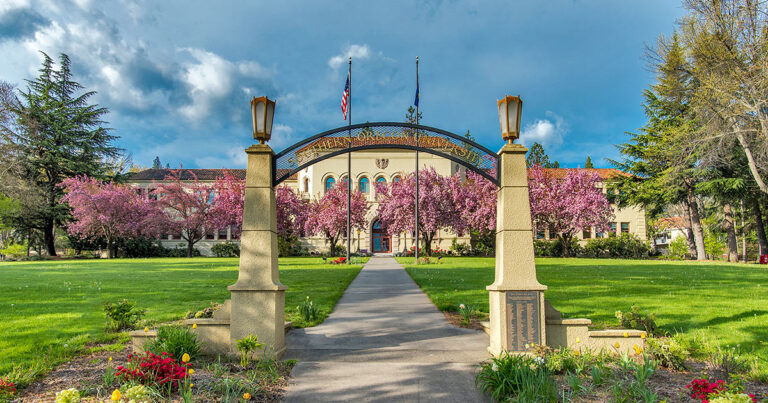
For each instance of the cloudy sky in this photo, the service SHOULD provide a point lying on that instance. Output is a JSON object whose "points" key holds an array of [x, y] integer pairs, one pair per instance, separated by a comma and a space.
{"points": [[177, 76]]}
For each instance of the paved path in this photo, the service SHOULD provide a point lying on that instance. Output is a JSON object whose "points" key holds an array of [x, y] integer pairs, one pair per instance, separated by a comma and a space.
{"points": [[385, 341]]}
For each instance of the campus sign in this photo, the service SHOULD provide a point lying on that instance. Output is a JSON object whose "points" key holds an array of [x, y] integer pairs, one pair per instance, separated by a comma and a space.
{"points": [[386, 135]]}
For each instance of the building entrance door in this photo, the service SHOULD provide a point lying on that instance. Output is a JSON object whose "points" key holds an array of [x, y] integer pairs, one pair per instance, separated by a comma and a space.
{"points": [[381, 240]]}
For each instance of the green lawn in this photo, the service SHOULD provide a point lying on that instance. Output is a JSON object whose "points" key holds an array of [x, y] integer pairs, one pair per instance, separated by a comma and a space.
{"points": [[52, 308], [726, 303]]}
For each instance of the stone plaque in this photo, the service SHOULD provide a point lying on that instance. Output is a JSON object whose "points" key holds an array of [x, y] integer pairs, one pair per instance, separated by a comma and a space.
{"points": [[523, 316]]}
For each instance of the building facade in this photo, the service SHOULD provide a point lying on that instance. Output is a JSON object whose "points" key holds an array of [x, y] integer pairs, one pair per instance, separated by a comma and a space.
{"points": [[368, 168]]}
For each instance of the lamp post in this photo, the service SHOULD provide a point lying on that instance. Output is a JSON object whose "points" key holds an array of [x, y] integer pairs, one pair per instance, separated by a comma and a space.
{"points": [[262, 114], [510, 109], [358, 240]]}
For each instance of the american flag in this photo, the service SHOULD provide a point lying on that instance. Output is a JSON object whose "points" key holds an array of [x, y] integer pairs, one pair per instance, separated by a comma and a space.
{"points": [[344, 99]]}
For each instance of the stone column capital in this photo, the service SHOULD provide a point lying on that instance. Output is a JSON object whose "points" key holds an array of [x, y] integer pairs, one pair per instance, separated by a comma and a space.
{"points": [[259, 149], [513, 149]]}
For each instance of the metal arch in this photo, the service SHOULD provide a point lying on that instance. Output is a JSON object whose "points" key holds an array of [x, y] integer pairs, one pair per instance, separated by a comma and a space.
{"points": [[279, 178]]}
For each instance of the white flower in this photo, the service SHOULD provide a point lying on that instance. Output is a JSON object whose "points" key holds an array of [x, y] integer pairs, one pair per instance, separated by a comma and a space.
{"points": [[539, 360], [461, 306], [495, 367]]}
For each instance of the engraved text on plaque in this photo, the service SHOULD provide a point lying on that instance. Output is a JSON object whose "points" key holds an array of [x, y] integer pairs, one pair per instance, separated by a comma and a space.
{"points": [[523, 320]]}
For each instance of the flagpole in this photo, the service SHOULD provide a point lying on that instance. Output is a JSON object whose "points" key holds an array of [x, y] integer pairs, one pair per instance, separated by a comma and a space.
{"points": [[349, 163], [417, 162]]}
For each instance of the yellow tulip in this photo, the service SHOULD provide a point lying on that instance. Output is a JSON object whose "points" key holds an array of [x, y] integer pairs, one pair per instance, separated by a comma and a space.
{"points": [[642, 336], [185, 358], [578, 340], [246, 396], [116, 395], [575, 352], [194, 326], [110, 359], [191, 385], [626, 334], [617, 345], [191, 371], [146, 329]]}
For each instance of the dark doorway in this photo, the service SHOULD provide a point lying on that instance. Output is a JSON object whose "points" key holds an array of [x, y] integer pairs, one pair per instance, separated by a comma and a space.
{"points": [[381, 240]]}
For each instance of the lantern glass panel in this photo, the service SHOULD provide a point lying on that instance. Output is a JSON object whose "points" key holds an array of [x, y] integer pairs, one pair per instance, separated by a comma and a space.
{"points": [[270, 116], [260, 117], [512, 115], [503, 115]]}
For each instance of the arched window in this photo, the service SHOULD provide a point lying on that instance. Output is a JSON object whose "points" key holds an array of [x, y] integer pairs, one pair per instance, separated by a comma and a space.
{"points": [[381, 180], [329, 183], [396, 179], [364, 185], [306, 185]]}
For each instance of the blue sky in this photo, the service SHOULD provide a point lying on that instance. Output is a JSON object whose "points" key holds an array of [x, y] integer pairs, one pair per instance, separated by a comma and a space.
{"points": [[177, 76]]}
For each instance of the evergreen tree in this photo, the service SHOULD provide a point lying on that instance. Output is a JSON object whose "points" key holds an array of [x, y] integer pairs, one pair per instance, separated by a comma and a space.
{"points": [[588, 164], [537, 157], [156, 164], [556, 165], [56, 135]]}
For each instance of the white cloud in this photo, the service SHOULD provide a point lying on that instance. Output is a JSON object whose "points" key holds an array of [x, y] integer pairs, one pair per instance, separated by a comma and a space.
{"points": [[547, 132], [8, 5], [353, 51], [211, 78]]}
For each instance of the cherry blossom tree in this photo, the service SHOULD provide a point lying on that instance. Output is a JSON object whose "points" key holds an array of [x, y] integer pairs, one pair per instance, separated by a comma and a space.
{"points": [[292, 212], [229, 200], [567, 205], [189, 208], [437, 207], [328, 214], [475, 200], [109, 210]]}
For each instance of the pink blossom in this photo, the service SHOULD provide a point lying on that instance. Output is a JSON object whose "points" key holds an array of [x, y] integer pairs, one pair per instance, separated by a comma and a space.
{"points": [[328, 214]]}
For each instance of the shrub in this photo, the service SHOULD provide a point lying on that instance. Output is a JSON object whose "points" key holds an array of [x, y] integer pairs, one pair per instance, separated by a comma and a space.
{"points": [[728, 361], [182, 252], [7, 389], [289, 246], [142, 247], [152, 370], [176, 341], [634, 319], [123, 315], [15, 251], [308, 310], [517, 376], [70, 395], [668, 352], [678, 248], [554, 248], [625, 246], [226, 249], [247, 346], [466, 312]]}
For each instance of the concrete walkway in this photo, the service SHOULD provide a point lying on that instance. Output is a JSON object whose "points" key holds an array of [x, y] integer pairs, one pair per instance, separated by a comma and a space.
{"points": [[385, 341]]}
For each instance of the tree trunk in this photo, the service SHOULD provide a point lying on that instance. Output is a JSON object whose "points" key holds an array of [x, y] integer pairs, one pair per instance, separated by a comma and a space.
{"points": [[332, 240], [49, 238], [698, 231], [428, 236], [751, 163], [112, 250], [565, 242], [761, 239], [190, 248], [730, 230], [689, 233], [743, 235]]}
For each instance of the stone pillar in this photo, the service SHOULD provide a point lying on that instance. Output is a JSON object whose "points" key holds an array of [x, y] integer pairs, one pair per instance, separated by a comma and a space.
{"points": [[517, 317], [258, 298]]}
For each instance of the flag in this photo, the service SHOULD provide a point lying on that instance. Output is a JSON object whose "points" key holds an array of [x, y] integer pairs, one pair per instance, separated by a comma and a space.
{"points": [[344, 99], [416, 101]]}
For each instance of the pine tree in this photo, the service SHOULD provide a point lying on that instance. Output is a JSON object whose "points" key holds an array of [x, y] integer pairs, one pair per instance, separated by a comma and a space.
{"points": [[58, 135], [556, 165], [156, 164], [537, 157], [588, 164]]}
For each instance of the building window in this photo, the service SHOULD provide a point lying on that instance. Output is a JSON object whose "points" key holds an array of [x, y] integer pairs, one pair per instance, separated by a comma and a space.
{"points": [[329, 183], [552, 233], [613, 227], [586, 233], [306, 185], [381, 180], [223, 234], [599, 234], [364, 185], [235, 235], [541, 234], [396, 179], [625, 228], [209, 235]]}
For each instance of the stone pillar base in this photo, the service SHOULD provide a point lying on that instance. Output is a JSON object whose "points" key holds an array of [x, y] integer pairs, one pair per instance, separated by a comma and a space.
{"points": [[261, 313], [517, 321]]}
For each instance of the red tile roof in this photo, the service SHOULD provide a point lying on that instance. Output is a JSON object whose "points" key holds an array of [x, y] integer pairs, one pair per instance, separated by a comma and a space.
{"points": [[604, 173], [190, 174]]}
